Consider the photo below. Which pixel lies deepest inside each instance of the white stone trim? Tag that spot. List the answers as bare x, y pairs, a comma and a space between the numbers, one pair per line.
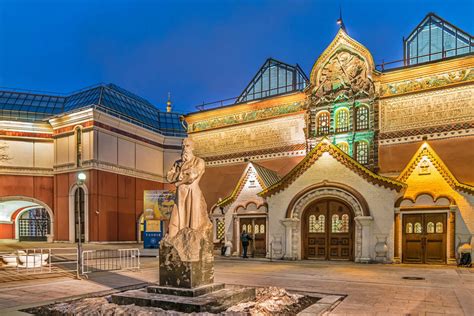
297, 153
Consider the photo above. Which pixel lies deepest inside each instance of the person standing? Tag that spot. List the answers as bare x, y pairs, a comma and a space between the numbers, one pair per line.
245, 239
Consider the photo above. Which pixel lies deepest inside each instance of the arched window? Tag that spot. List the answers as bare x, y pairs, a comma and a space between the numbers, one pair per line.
430, 228
79, 221
344, 147
362, 117
336, 224
249, 228
244, 228
322, 123
409, 228
262, 229
362, 152
439, 228
342, 120
312, 223
345, 223
418, 228
256, 229
78, 146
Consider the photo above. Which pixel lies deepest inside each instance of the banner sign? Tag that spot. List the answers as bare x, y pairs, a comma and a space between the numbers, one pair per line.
157, 205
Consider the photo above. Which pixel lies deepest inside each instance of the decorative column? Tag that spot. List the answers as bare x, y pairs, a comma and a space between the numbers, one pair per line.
452, 235
365, 222
290, 225
397, 237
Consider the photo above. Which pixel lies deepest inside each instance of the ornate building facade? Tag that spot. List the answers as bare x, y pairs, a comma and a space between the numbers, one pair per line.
357, 162
121, 142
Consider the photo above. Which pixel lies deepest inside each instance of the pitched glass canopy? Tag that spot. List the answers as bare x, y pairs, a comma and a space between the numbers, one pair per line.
107, 98
435, 38
274, 78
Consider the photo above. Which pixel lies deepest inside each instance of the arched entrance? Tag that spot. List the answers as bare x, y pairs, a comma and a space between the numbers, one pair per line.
25, 219
328, 230
78, 213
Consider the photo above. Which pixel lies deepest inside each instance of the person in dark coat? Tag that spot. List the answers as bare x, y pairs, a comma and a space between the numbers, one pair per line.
245, 239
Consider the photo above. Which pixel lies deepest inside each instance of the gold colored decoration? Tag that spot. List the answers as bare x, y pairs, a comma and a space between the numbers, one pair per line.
432, 108
317, 152
344, 76
424, 167
425, 83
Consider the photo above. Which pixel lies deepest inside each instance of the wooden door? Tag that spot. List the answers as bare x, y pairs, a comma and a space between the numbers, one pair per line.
256, 227
424, 238
328, 231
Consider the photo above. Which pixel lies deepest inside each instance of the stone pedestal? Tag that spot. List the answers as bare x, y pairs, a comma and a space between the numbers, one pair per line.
187, 259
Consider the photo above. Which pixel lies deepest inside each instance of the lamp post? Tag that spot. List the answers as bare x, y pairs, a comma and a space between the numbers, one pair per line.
81, 177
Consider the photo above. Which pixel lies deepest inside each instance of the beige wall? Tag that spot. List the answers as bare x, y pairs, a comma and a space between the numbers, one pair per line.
28, 153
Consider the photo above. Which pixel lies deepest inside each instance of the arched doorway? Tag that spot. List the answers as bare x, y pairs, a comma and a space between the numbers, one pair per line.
78, 213
328, 230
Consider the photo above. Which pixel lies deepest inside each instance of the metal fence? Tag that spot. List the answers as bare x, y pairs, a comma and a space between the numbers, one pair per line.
110, 260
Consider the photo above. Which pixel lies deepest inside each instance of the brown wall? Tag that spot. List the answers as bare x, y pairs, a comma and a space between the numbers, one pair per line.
38, 187
456, 153
219, 182
115, 204
7, 231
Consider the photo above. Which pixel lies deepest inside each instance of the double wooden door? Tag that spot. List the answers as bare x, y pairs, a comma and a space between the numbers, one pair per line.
424, 238
256, 227
328, 231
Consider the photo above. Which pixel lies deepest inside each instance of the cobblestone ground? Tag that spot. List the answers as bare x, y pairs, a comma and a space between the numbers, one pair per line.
371, 289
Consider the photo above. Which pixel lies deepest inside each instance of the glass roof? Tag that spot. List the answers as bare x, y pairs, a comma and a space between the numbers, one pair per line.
274, 78
435, 38
108, 98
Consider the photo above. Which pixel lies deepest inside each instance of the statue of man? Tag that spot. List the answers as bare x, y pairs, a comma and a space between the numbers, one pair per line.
190, 209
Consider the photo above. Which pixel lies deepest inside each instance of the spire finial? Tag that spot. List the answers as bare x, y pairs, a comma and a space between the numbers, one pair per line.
340, 21
168, 103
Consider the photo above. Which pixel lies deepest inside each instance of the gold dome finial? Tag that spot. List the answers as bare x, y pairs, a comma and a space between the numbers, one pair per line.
168, 103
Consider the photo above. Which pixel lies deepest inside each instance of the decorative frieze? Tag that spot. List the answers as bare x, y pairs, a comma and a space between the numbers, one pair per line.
245, 140
425, 83
435, 108
245, 117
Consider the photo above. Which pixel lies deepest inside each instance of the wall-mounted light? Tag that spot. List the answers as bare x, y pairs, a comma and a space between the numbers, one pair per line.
81, 177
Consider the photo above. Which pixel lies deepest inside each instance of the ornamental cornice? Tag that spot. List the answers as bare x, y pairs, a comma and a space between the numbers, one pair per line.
433, 81
246, 116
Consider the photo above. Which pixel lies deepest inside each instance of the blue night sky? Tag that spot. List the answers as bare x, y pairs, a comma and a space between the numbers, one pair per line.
197, 50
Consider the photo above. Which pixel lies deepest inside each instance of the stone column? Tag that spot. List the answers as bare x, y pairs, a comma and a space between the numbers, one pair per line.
365, 222
290, 224
451, 232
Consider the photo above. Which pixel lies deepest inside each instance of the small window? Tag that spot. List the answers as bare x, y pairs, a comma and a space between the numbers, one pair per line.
342, 121
78, 146
244, 228
439, 228
312, 223
418, 228
362, 152
362, 117
256, 229
336, 224
409, 228
322, 122
344, 147
249, 228
220, 228
262, 229
345, 224
430, 228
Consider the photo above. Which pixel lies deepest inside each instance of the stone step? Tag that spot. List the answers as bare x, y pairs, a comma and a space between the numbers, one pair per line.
212, 302
197, 291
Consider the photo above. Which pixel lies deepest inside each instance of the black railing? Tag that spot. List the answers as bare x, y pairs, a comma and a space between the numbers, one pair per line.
417, 60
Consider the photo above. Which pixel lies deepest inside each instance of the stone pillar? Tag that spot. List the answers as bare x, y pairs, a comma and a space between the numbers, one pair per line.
290, 224
365, 222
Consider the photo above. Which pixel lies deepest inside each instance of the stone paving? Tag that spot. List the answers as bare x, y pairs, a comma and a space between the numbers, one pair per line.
372, 289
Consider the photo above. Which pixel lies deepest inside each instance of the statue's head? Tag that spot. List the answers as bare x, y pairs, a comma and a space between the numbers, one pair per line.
188, 147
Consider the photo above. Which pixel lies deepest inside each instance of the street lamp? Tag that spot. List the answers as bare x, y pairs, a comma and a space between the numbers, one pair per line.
81, 177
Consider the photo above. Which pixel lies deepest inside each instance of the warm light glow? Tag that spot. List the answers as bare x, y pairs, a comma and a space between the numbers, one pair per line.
425, 144
81, 176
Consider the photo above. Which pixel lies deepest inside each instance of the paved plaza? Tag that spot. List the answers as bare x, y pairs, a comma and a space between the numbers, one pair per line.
371, 289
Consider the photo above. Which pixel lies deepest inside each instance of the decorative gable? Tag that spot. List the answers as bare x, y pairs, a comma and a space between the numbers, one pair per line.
427, 170
326, 148
342, 72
